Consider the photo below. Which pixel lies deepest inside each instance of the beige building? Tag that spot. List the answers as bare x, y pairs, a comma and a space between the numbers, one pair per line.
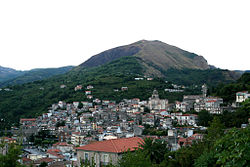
105, 152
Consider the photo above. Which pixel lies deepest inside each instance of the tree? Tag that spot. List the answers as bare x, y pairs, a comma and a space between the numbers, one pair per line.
12, 156
134, 159
146, 110
184, 157
233, 149
43, 164
204, 117
215, 130
154, 149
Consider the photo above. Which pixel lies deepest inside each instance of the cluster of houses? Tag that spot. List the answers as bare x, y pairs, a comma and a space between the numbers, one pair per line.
5, 89
102, 130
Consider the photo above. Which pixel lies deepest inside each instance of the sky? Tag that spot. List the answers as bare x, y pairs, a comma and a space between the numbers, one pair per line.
55, 33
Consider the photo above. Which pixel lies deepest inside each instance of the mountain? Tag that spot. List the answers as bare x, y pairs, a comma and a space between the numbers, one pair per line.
8, 73
111, 70
158, 59
152, 54
33, 75
242, 72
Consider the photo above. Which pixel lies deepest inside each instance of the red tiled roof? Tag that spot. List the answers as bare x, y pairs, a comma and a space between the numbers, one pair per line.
28, 119
115, 146
186, 115
211, 101
61, 144
25, 159
54, 150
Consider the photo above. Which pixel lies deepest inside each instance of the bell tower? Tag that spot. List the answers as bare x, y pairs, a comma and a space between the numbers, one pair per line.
204, 90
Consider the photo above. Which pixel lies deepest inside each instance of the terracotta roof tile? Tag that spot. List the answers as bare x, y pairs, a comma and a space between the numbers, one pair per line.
116, 145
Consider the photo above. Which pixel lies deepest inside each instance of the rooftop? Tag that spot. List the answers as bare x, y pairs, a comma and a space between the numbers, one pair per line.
115, 146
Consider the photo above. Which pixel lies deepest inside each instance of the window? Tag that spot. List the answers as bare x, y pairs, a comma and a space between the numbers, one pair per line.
86, 156
105, 159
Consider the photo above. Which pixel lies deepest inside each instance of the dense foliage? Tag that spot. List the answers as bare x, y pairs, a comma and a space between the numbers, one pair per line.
43, 138
218, 148
10, 159
211, 77
228, 91
34, 75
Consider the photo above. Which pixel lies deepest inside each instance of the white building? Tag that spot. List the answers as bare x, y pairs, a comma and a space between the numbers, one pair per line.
242, 96
187, 119
155, 103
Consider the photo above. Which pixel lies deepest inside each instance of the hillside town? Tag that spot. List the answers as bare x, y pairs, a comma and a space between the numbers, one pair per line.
102, 130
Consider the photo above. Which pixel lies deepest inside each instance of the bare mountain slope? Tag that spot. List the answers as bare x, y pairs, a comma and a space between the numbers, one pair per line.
154, 53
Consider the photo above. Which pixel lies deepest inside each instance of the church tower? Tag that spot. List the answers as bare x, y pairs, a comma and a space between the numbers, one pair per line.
204, 90
155, 94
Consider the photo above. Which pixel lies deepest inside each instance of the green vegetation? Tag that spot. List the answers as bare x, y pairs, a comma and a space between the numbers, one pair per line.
10, 159
34, 75
44, 138
240, 116
204, 117
211, 77
8, 73
229, 119
227, 92
150, 153
218, 148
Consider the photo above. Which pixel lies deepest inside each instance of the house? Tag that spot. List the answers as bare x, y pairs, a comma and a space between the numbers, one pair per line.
77, 138
173, 90
183, 106
242, 96
63, 147
89, 97
61, 104
7, 140
191, 98
87, 92
78, 87
138, 79
182, 142
90, 87
63, 86
55, 154
105, 102
187, 119
26, 161
124, 88
76, 104
212, 104
49, 161
97, 101
28, 121
107, 151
